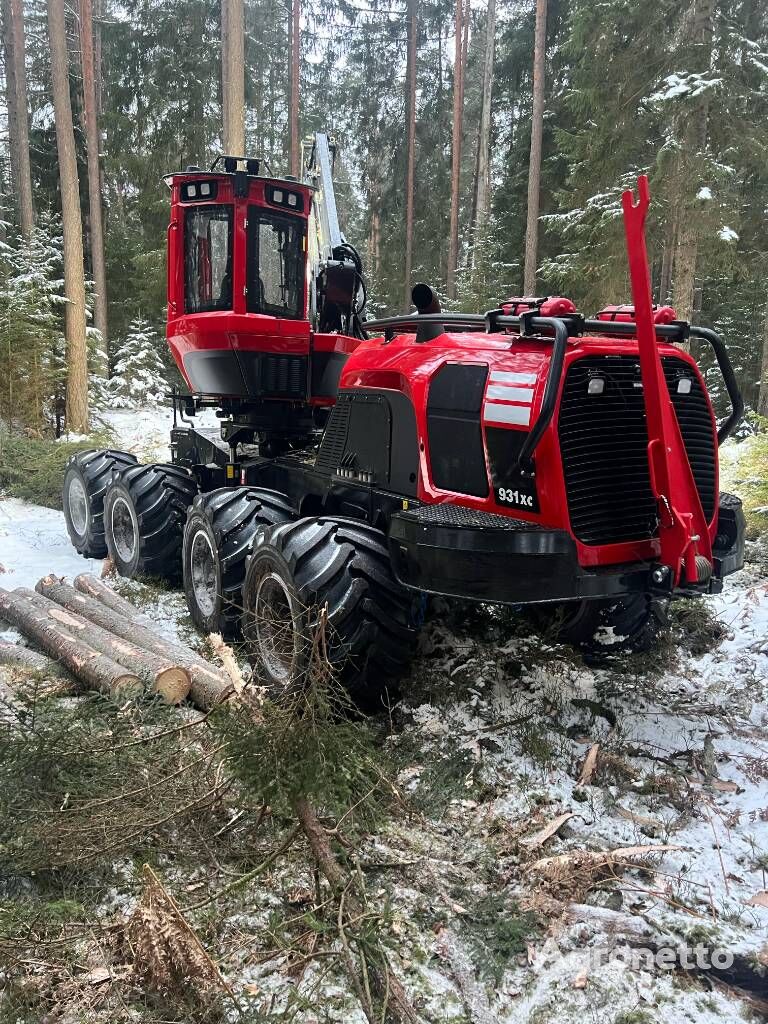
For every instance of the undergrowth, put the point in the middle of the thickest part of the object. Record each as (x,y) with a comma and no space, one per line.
(33,468)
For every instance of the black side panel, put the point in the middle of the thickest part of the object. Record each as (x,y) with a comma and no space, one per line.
(510,487)
(372,431)
(215,373)
(326,370)
(455,435)
(369,439)
(404,466)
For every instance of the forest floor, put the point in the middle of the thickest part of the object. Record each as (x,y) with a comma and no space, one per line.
(505,749)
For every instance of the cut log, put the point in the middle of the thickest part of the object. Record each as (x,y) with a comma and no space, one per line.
(92,586)
(208,685)
(169,680)
(16,656)
(88,665)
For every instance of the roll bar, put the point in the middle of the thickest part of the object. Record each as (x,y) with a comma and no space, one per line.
(493,321)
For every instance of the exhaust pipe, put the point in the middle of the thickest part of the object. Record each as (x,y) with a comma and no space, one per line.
(426,301)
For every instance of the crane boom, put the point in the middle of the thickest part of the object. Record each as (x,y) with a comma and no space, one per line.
(337,291)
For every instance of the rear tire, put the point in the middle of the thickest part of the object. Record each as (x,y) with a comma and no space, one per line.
(628,622)
(298,568)
(218,537)
(85,484)
(144,511)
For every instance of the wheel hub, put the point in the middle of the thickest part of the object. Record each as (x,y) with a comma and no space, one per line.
(274,628)
(77,503)
(202,565)
(123,529)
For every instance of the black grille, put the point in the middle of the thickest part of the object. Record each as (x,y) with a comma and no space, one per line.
(604,439)
(283,375)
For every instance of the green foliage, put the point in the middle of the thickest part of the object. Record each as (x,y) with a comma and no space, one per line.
(307,746)
(498,930)
(33,468)
(89,782)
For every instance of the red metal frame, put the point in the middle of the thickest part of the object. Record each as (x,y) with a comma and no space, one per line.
(683,530)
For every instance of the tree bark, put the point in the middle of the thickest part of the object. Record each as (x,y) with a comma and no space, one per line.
(161,672)
(458,97)
(534,166)
(483,174)
(85,663)
(233,76)
(410,118)
(92,586)
(762,394)
(16,656)
(295,140)
(692,140)
(208,686)
(18,118)
(74,280)
(90,106)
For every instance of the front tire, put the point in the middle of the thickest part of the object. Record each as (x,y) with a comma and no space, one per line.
(144,510)
(632,621)
(86,479)
(299,568)
(218,536)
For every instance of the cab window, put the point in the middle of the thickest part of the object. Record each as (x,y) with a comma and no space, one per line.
(207,258)
(275,264)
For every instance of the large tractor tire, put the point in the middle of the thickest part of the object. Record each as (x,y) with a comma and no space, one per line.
(221,527)
(85,484)
(629,622)
(144,514)
(341,564)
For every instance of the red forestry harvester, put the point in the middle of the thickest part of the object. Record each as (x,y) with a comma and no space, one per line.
(525,456)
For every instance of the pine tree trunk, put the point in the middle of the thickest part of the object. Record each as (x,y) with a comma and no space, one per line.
(74,280)
(762,395)
(295,139)
(410,118)
(458,72)
(483,186)
(90,73)
(18,118)
(692,138)
(233,76)
(534,166)
(10,100)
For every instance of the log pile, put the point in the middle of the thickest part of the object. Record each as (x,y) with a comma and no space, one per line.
(99,638)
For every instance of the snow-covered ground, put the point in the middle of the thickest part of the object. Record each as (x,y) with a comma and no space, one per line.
(490,739)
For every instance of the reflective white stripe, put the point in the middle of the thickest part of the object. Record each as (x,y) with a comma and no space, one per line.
(508,377)
(495,413)
(508,394)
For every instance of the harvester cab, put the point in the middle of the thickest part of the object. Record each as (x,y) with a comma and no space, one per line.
(265,295)
(522,456)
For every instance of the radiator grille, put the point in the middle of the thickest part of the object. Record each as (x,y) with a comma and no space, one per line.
(284,375)
(603,442)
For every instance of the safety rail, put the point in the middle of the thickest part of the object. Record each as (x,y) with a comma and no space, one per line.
(677,332)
